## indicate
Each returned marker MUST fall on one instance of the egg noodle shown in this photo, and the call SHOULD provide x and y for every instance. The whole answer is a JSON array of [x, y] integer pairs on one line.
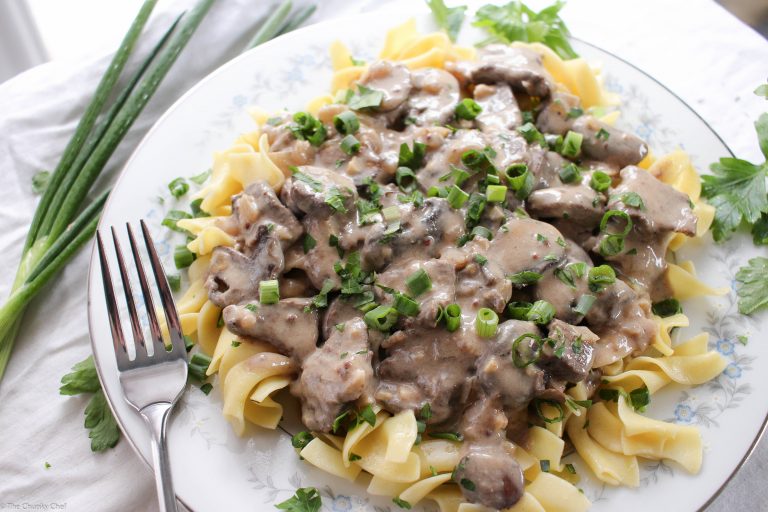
[[610, 436]]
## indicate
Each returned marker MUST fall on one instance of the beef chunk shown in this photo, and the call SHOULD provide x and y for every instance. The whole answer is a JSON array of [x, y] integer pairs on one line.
[[286, 325], [336, 374], [570, 359]]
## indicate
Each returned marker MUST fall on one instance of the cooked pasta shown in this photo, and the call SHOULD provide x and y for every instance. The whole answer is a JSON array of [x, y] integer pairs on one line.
[[391, 435]]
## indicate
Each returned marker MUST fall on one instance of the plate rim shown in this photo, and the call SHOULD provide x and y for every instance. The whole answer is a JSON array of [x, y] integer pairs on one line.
[[266, 47]]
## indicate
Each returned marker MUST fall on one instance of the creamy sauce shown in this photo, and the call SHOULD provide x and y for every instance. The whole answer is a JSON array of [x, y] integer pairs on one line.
[[357, 225]]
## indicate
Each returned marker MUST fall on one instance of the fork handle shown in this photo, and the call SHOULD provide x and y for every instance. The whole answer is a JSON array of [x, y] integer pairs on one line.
[[156, 417]]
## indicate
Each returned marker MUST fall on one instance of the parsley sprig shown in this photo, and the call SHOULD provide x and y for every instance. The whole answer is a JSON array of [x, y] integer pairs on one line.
[[98, 416], [306, 499], [515, 21], [737, 191], [448, 18]]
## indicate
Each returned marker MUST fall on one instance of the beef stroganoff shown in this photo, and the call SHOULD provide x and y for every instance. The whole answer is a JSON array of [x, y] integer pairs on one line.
[[460, 267]]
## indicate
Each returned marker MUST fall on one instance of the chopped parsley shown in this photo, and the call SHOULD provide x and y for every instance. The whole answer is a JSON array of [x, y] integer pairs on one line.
[[365, 98]]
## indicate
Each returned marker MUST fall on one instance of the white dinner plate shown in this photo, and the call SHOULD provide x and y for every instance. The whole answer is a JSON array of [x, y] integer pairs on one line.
[[214, 470]]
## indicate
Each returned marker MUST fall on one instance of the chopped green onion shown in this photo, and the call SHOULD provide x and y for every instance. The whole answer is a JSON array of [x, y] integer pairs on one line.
[[437, 192], [611, 245], [561, 413], [600, 181], [486, 322], [524, 278], [570, 173], [480, 259], [350, 145], [572, 144], [301, 440], [475, 208], [575, 112], [600, 277], [520, 179], [541, 312], [401, 503], [269, 292], [482, 231], [518, 310], [252, 307], [307, 127], [206, 388], [346, 123], [405, 179], [531, 134], [178, 187], [450, 436], [459, 175], [607, 216], [406, 305], [457, 197], [173, 217], [198, 366], [382, 318], [532, 352], [174, 281], [468, 484], [197, 211], [554, 142], [412, 158], [202, 177], [570, 469], [426, 412], [480, 161], [584, 304], [183, 257], [452, 317], [468, 109], [418, 282], [667, 307], [495, 193]]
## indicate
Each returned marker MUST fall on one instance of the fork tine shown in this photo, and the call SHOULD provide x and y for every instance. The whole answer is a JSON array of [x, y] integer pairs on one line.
[[138, 335], [121, 354], [166, 297], [154, 327]]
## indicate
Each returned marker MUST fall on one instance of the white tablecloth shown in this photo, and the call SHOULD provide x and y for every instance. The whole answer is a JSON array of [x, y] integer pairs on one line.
[[694, 47]]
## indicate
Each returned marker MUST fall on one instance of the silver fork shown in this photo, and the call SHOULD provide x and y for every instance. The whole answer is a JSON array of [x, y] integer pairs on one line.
[[151, 383]]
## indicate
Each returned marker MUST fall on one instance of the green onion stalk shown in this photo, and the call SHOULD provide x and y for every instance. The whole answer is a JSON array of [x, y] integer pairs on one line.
[[60, 225]]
